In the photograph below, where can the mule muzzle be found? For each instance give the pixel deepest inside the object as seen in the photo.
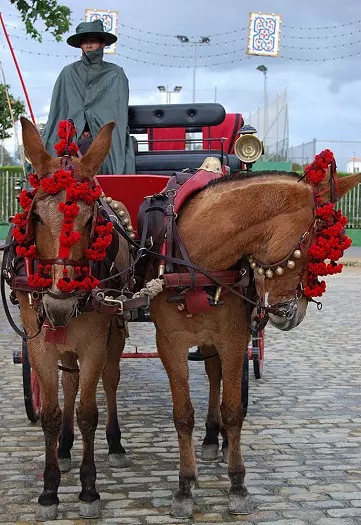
(291, 313)
(59, 308)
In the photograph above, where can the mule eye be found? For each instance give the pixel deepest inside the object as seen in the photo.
(37, 218)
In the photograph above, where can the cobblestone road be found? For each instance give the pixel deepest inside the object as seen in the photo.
(301, 439)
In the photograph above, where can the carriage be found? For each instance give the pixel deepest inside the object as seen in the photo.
(248, 234)
(167, 139)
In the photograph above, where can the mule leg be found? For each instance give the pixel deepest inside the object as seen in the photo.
(210, 445)
(87, 417)
(240, 501)
(110, 376)
(176, 366)
(45, 364)
(70, 383)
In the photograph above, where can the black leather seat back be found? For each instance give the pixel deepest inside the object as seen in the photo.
(140, 118)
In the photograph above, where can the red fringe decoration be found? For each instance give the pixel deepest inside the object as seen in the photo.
(330, 241)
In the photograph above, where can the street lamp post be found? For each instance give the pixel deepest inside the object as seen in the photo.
(264, 70)
(164, 89)
(202, 40)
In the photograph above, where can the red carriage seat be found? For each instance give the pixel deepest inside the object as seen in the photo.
(229, 129)
(177, 138)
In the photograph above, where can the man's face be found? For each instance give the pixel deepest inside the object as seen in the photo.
(91, 44)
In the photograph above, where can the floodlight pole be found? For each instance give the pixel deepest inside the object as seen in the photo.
(164, 89)
(194, 73)
(202, 40)
(264, 70)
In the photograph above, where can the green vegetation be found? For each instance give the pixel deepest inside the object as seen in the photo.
(55, 17)
(17, 107)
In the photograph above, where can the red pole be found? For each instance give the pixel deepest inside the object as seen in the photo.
(18, 69)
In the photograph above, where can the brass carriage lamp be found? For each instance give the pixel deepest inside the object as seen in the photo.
(248, 148)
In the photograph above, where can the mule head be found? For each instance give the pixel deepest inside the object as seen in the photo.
(285, 292)
(48, 221)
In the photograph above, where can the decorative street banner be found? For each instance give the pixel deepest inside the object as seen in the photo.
(264, 34)
(110, 22)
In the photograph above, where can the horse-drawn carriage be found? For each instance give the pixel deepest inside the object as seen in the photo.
(169, 139)
(80, 264)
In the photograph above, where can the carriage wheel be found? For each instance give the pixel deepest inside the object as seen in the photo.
(31, 388)
(256, 352)
(244, 386)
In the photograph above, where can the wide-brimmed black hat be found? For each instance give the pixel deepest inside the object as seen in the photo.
(94, 29)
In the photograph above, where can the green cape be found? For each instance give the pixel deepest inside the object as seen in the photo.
(96, 92)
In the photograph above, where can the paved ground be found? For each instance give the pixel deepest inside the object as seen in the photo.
(301, 440)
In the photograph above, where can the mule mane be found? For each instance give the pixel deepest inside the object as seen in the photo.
(249, 175)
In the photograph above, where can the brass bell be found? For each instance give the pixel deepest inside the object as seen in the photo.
(269, 273)
(130, 228)
(291, 264)
(126, 220)
(297, 254)
(260, 271)
(115, 206)
(109, 200)
(121, 213)
(253, 265)
(132, 235)
(279, 270)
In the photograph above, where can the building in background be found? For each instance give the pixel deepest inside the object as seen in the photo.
(353, 165)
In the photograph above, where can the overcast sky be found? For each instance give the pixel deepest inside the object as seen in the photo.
(323, 95)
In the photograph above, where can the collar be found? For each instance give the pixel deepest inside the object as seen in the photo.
(93, 57)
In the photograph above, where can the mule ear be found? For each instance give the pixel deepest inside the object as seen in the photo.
(345, 184)
(90, 163)
(34, 148)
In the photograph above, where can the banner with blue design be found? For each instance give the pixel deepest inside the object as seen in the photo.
(264, 34)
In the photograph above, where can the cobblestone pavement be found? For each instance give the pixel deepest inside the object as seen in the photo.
(301, 439)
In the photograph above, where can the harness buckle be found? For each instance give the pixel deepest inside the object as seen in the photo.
(111, 300)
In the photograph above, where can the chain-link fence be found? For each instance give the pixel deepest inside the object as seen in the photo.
(271, 123)
(343, 150)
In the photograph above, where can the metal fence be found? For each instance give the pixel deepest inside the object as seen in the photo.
(351, 207)
(272, 126)
(344, 151)
(11, 180)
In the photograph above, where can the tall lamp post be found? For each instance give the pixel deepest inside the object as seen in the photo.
(264, 70)
(164, 89)
(202, 40)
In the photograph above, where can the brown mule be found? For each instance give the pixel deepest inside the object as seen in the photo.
(93, 340)
(262, 216)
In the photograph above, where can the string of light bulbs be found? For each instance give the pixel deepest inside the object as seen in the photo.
(231, 32)
(211, 44)
(228, 52)
(183, 66)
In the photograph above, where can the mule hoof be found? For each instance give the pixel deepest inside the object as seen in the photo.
(90, 510)
(239, 505)
(225, 455)
(119, 460)
(209, 452)
(46, 512)
(64, 464)
(182, 509)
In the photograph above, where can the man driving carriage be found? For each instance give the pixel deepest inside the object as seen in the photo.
(92, 92)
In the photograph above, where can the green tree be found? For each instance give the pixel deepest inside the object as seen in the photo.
(55, 17)
(18, 108)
